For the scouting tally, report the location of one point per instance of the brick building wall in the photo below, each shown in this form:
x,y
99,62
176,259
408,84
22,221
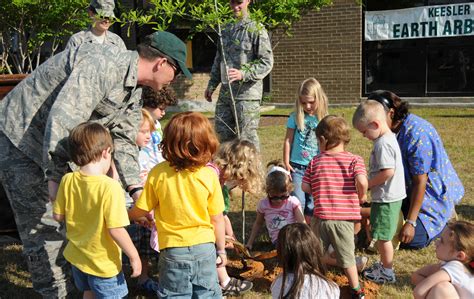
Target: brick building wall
x,y
193,90
327,45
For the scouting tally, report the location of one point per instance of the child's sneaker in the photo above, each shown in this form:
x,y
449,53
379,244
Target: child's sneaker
x,y
236,287
361,262
372,248
378,274
360,294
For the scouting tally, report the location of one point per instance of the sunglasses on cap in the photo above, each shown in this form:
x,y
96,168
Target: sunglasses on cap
x,y
280,197
388,104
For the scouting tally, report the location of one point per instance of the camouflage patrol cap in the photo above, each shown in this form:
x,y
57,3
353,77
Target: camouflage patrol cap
x,y
104,7
170,45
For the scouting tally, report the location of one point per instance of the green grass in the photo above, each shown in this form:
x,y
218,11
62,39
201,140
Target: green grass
x,y
454,126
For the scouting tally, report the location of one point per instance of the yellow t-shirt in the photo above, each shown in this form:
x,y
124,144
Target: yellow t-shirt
x,y
183,202
92,205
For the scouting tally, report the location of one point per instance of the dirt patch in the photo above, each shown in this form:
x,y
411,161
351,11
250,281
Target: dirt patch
x,y
263,273
273,120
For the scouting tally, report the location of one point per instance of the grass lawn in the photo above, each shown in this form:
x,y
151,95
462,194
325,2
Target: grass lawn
x,y
454,126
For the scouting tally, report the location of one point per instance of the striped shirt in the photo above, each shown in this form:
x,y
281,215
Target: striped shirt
x,y
332,180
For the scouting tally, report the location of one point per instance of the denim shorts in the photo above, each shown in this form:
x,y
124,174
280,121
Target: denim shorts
x,y
189,272
112,288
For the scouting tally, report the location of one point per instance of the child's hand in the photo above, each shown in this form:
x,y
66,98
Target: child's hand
x,y
136,266
145,222
221,260
249,247
290,169
229,245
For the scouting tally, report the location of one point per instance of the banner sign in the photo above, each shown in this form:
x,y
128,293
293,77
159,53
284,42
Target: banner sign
x,y
420,22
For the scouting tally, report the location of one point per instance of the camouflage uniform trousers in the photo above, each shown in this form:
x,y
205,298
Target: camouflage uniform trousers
x,y
248,116
43,238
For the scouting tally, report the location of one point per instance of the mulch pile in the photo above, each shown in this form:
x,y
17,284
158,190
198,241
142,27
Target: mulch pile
x,y
263,273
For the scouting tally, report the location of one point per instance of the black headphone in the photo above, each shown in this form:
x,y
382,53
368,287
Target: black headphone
x,y
387,103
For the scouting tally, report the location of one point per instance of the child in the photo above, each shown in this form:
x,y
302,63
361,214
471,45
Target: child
x,y
279,208
299,254
238,164
102,14
187,201
156,102
454,276
338,181
386,184
300,145
92,204
144,238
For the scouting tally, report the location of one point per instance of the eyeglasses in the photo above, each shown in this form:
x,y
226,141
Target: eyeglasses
x,y
170,61
175,68
388,104
280,197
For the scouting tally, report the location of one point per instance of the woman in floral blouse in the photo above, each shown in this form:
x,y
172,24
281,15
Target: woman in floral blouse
x,y
433,186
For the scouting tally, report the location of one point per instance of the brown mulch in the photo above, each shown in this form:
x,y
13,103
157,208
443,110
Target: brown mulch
x,y
263,273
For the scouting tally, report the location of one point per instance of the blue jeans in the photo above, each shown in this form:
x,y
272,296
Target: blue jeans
x,y
306,200
420,240
112,288
189,272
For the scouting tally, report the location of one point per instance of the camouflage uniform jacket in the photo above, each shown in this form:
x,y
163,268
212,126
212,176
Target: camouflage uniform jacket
x,y
248,48
91,82
86,36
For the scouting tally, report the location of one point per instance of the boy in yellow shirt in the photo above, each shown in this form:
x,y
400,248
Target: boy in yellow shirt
x,y
93,207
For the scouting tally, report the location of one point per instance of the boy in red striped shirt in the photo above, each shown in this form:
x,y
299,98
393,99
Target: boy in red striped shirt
x,y
337,179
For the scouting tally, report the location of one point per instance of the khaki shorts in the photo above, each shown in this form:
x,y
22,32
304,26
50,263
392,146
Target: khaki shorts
x,y
339,234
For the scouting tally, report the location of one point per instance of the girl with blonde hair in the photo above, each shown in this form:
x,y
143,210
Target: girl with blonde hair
x,y
300,144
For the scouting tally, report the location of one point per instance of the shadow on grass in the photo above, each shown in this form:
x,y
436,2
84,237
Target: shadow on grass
x,y
466,211
404,280
455,116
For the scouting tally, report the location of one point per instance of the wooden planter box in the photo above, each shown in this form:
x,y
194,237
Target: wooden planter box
x,y
7,222
8,82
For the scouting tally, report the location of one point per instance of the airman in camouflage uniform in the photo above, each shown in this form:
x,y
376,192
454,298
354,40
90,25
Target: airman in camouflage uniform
x,y
249,56
90,82
98,32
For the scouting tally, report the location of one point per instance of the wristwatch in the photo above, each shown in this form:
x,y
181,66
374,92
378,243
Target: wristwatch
x,y
411,222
